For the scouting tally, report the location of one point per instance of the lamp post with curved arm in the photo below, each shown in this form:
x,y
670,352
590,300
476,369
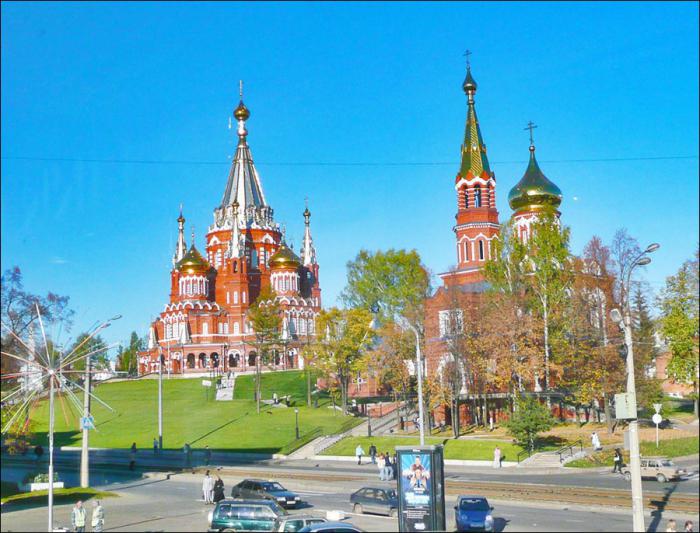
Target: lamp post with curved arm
x,y
625,324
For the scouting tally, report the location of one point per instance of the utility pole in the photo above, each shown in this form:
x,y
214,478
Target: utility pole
x,y
160,398
85,452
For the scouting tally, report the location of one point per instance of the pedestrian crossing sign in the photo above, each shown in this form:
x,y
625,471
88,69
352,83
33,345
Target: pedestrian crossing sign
x,y
87,422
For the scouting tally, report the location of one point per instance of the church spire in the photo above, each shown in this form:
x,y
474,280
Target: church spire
x,y
181,248
474,158
308,252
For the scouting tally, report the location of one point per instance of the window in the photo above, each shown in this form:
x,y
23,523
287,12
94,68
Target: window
x,y
228,297
450,322
236,328
205,329
481,250
466,250
235,297
477,196
466,198
226,328
243,296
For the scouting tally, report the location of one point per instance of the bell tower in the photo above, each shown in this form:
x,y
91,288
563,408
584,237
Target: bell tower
x,y
475,184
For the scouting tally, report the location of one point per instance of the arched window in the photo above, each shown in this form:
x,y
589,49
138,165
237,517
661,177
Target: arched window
x,y
466,198
235,297
236,328
466,250
481,250
477,196
226,328
243,296
205,329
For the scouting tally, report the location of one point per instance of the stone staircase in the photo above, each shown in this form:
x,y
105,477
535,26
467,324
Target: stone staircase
x,y
542,460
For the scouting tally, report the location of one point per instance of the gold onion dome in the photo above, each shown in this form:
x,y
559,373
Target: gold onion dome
x,y
469,84
193,262
534,190
241,112
284,257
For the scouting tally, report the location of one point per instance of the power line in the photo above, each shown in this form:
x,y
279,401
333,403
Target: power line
x,y
334,164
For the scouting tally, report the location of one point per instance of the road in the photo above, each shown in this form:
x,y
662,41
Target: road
x,y
161,504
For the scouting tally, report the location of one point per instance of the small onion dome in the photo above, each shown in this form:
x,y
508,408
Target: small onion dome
x,y
534,190
241,112
193,262
284,257
469,84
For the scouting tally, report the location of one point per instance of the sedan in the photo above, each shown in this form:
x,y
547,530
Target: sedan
x,y
473,513
332,527
269,490
375,500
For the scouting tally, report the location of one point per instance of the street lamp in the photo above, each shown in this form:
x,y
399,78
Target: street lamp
x,y
296,421
625,324
405,324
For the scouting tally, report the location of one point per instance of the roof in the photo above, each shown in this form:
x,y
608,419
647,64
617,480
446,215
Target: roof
x,y
284,257
474,158
534,190
192,262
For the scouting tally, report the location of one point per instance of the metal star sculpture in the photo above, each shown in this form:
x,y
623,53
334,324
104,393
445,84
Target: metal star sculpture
x,y
38,372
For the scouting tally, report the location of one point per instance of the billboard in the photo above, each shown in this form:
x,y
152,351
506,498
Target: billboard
x,y
421,488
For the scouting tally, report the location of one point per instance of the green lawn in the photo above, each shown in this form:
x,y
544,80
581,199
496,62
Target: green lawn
x,y
40,497
678,409
291,383
472,449
187,417
667,448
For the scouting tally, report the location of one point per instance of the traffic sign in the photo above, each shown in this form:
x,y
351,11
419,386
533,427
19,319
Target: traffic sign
x,y
657,418
87,422
657,407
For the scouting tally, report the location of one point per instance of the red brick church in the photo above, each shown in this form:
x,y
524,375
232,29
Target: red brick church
x,y
476,228
203,326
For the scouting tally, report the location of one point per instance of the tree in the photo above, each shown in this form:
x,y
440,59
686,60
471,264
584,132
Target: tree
x,y
266,318
19,316
343,336
648,387
530,419
679,324
127,359
84,345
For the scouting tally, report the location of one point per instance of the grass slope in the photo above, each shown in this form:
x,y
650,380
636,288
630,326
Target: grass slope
x,y
187,417
40,497
667,448
465,449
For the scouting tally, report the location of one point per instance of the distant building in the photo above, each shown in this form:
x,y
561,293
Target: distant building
x,y
204,325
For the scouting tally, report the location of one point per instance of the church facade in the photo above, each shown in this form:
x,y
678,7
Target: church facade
x,y
204,325
476,230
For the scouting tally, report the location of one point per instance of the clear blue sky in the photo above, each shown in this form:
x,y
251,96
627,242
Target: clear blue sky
x,y
330,84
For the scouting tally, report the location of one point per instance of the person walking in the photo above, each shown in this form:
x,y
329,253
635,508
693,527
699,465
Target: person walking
x,y
380,465
207,488
595,442
155,445
497,457
388,468
359,452
77,517
219,492
373,453
98,516
617,461
207,455
132,455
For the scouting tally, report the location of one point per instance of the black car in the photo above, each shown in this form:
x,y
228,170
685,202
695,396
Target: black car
x,y
269,490
375,500
245,515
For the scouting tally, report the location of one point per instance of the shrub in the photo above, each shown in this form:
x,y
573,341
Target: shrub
x,y
530,419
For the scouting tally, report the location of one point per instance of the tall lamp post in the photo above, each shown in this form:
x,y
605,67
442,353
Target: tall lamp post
x,y
419,374
296,422
625,324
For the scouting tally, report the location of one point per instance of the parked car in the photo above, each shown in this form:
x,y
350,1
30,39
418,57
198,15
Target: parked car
x,y
245,515
332,527
297,522
662,468
267,490
473,512
375,500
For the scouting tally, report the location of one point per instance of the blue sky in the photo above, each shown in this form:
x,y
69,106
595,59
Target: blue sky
x,y
358,107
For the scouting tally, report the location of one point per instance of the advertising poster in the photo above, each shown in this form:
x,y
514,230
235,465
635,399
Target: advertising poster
x,y
420,487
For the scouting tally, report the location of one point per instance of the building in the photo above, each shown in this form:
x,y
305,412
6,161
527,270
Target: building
x,y
476,230
203,326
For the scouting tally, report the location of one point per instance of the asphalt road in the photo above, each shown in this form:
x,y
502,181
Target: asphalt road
x,y
160,504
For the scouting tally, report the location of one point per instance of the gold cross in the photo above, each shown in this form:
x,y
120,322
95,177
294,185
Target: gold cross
x,y
531,126
467,54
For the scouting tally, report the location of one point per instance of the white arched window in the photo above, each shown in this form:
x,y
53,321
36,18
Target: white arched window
x,y
205,329
236,328
226,328
243,296
235,297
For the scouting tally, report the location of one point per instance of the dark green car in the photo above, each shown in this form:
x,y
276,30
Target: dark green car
x,y
245,515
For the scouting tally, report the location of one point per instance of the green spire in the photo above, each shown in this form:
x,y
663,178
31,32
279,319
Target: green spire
x,y
474,158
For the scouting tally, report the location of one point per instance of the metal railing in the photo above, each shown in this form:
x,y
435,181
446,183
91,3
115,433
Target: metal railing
x,y
570,449
527,451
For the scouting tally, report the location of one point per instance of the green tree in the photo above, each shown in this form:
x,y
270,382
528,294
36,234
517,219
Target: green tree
x,y
530,419
679,324
648,387
266,318
84,345
343,336
127,358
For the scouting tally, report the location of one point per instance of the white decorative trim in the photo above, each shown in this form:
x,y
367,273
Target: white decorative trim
x,y
477,179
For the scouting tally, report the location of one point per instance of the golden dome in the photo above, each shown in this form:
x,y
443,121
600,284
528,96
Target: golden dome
x,y
193,262
284,257
241,112
534,190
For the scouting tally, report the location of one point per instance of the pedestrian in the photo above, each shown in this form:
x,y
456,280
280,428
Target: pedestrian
x,y
207,455
219,492
388,468
207,488
187,451
380,465
359,452
275,398
98,516
671,526
155,445
617,461
688,528
394,467
497,457
595,441
132,461
77,517
373,453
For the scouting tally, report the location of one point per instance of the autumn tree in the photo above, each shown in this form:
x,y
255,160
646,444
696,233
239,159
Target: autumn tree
x,y
266,319
679,324
343,337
